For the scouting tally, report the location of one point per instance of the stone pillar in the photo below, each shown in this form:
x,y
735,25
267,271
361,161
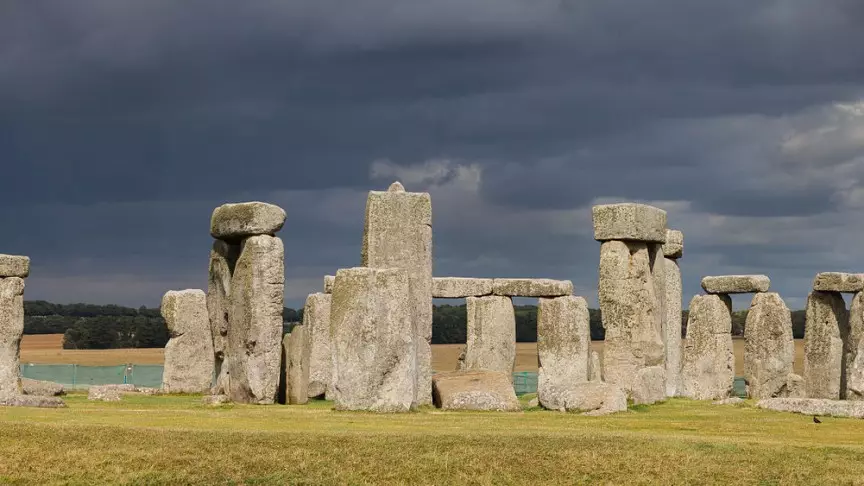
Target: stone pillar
x,y
769,348
296,347
491,342
223,258
373,340
563,347
252,345
708,371
631,294
189,357
11,325
316,319
398,234
672,251
826,328
855,346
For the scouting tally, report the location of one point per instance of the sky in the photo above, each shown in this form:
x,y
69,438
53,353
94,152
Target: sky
x,y
123,124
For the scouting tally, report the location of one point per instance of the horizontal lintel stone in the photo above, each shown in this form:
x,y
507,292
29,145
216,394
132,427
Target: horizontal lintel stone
x,y
460,287
531,287
736,284
839,282
231,222
14,266
629,222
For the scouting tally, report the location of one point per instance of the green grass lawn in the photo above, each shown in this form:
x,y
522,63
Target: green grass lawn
x,y
176,440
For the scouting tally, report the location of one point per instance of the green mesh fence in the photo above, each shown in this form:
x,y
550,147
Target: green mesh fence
x,y
149,376
525,382
76,376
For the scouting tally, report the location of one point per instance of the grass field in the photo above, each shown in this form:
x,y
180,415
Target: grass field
x,y
48,349
175,440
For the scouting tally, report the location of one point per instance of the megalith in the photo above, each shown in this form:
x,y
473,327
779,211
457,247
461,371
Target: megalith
x,y
11,329
296,347
223,258
707,371
373,340
491,340
769,348
316,320
827,325
474,390
855,350
189,357
672,251
563,346
398,234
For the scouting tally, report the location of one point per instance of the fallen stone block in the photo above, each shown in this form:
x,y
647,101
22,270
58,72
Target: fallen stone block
x,y
460,288
707,372
474,390
839,282
491,340
214,400
729,401
189,356
32,401
591,398
105,394
674,246
41,388
736,284
233,222
827,324
629,222
14,266
814,406
531,287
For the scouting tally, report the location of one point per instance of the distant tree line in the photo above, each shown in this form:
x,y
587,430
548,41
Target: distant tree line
x,y
88,326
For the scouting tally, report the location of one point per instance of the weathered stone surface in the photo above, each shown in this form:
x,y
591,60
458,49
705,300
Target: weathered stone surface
x,y
591,398
563,345
531,287
769,348
254,345
827,324
297,346
41,388
328,283
595,369
491,339
736,284
649,385
814,406
650,389
474,390
708,364
316,320
672,325
104,394
373,340
854,350
233,222
460,288
189,357
398,234
795,387
629,222
215,400
32,401
838,282
674,246
729,401
632,312
223,258
11,328
14,266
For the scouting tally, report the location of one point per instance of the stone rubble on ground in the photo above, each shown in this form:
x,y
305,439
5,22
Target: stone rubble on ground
x,y
814,406
42,388
474,390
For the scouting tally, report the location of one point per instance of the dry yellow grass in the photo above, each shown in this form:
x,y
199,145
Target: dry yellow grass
x,y
47,349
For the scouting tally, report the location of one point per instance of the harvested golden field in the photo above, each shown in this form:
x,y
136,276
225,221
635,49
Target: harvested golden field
x,y
48,349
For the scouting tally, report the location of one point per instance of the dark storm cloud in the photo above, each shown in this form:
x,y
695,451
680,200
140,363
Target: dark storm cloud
x,y
123,124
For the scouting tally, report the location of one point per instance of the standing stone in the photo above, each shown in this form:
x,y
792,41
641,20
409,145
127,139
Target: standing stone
x,y
827,324
223,258
398,234
632,314
672,325
855,350
769,348
11,329
296,347
708,363
316,320
595,370
373,340
189,359
254,347
491,335
563,346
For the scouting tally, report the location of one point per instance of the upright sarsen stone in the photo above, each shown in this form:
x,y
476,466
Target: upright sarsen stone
x,y
316,320
297,351
769,349
189,358
672,325
11,329
254,345
632,314
491,338
398,234
827,324
563,347
708,363
223,258
373,340
854,350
